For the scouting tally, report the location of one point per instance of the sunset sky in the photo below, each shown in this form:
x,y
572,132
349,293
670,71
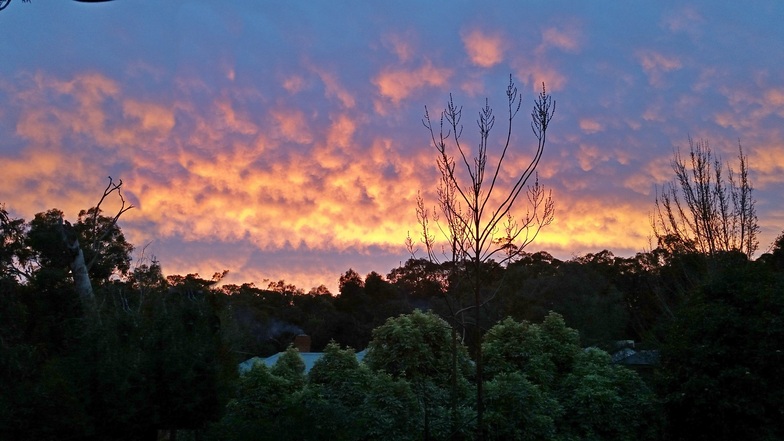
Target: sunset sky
x,y
283,139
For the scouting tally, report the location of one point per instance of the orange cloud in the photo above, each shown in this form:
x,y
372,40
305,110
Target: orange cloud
x,y
85,115
483,49
590,225
291,125
767,164
341,131
397,84
151,116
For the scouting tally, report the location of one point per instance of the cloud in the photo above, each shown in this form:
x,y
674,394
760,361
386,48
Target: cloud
x,y
567,40
80,107
533,73
152,117
590,125
291,125
538,66
655,172
483,49
582,225
402,48
294,150
232,120
685,19
334,89
656,64
294,83
341,131
397,84
589,155
767,164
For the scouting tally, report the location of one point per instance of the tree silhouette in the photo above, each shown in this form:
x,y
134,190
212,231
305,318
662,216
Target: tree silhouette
x,y
703,210
4,3
477,213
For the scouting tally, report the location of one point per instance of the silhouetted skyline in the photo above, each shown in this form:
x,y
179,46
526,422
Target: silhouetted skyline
x,y
284,140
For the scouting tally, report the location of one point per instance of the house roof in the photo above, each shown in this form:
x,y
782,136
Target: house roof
x,y
630,357
309,358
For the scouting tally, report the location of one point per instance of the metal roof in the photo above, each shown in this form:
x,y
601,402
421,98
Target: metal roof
x,y
309,358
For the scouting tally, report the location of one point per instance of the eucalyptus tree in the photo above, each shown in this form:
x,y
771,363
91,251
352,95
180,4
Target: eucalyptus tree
x,y
92,249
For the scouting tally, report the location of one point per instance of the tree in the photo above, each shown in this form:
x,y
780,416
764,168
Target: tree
x,y
94,247
775,255
417,347
263,401
15,257
544,353
722,359
602,401
151,357
544,386
478,221
4,3
708,208
519,409
337,389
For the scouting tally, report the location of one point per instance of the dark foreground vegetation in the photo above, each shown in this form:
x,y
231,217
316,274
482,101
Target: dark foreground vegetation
x,y
158,353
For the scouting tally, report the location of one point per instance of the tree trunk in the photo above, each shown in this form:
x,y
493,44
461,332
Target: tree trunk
x,y
82,283
453,380
480,405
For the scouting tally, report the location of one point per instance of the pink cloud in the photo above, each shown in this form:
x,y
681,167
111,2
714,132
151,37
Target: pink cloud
x,y
402,48
588,156
294,83
656,65
291,125
341,131
590,125
484,50
533,73
775,97
397,84
151,116
567,40
685,19
335,89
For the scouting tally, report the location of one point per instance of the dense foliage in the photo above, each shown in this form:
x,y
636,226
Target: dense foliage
x,y
161,353
410,387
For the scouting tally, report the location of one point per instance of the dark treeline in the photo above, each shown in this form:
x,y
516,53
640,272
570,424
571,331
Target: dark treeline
x,y
161,353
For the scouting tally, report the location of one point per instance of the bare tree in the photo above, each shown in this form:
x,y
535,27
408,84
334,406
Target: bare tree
x,y
4,3
474,213
704,211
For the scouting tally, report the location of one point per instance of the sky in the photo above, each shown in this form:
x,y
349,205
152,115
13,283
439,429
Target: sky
x,y
284,139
